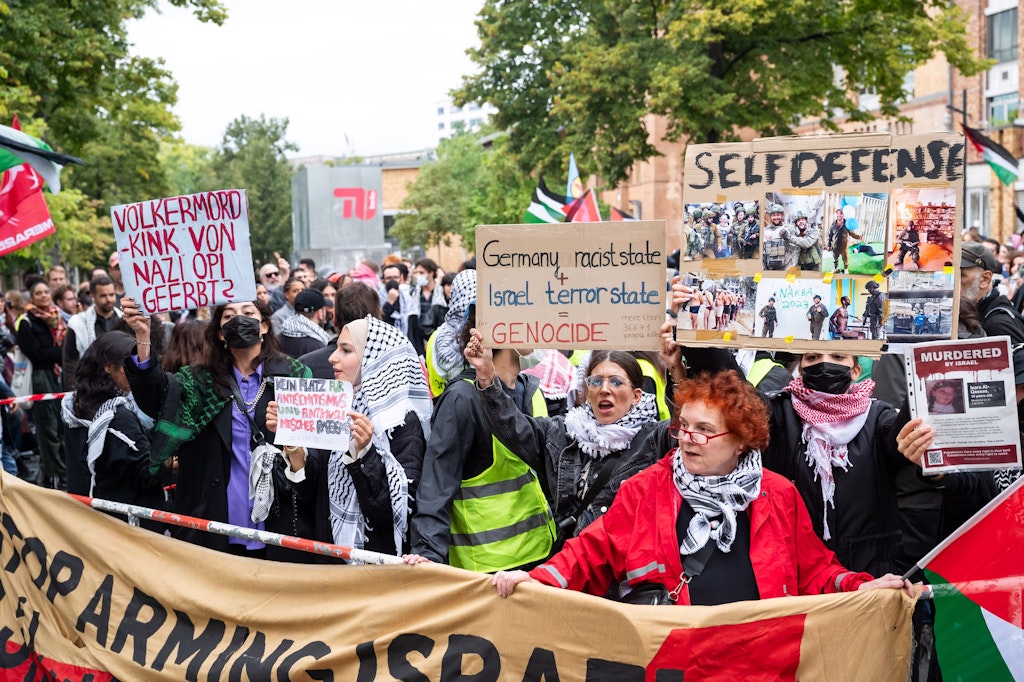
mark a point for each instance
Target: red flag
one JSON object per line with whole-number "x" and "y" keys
{"x": 583, "y": 210}
{"x": 24, "y": 217}
{"x": 618, "y": 214}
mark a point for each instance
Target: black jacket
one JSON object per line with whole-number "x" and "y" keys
{"x": 204, "y": 466}
{"x": 1000, "y": 318}
{"x": 36, "y": 343}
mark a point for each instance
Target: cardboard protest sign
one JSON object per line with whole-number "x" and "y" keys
{"x": 85, "y": 596}
{"x": 313, "y": 413}
{"x": 186, "y": 252}
{"x": 571, "y": 285}
{"x": 856, "y": 207}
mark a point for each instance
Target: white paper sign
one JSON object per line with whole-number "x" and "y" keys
{"x": 186, "y": 252}
{"x": 313, "y": 413}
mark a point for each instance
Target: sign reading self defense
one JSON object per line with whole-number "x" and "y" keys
{"x": 571, "y": 285}
{"x": 313, "y": 413}
{"x": 186, "y": 252}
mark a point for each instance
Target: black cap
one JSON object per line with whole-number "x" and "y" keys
{"x": 310, "y": 301}
{"x": 977, "y": 255}
{"x": 816, "y": 296}
{"x": 871, "y": 285}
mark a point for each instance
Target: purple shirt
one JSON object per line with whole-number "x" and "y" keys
{"x": 239, "y": 504}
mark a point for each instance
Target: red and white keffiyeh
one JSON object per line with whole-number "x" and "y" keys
{"x": 830, "y": 423}
{"x": 556, "y": 375}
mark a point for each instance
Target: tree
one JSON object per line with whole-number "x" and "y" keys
{"x": 69, "y": 75}
{"x": 188, "y": 168}
{"x": 251, "y": 157}
{"x": 574, "y": 75}
{"x": 468, "y": 185}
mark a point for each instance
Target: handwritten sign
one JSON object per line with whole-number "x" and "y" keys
{"x": 572, "y": 286}
{"x": 186, "y": 252}
{"x": 313, "y": 413}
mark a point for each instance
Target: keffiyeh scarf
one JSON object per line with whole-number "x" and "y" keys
{"x": 300, "y": 325}
{"x": 98, "y": 426}
{"x": 599, "y": 440}
{"x": 391, "y": 385}
{"x": 448, "y": 358}
{"x": 556, "y": 375}
{"x": 830, "y": 423}
{"x": 716, "y": 500}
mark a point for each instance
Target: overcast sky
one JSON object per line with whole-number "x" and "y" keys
{"x": 371, "y": 71}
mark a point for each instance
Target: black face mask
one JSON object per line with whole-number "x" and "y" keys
{"x": 827, "y": 377}
{"x": 241, "y": 331}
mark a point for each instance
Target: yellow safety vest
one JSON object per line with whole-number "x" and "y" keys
{"x": 500, "y": 517}
{"x": 651, "y": 372}
{"x": 437, "y": 382}
{"x": 759, "y": 370}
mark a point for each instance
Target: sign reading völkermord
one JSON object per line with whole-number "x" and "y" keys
{"x": 186, "y": 252}
{"x": 842, "y": 242}
{"x": 571, "y": 285}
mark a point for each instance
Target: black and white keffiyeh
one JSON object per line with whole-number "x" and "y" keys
{"x": 98, "y": 426}
{"x": 598, "y": 440}
{"x": 300, "y": 325}
{"x": 392, "y": 384}
{"x": 716, "y": 500}
{"x": 448, "y": 358}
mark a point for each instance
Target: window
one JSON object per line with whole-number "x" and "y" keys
{"x": 440, "y": 126}
{"x": 1002, "y": 110}
{"x": 977, "y": 209}
{"x": 1002, "y": 36}
{"x": 475, "y": 122}
{"x": 440, "y": 111}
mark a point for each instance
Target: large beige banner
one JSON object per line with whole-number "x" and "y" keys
{"x": 86, "y": 597}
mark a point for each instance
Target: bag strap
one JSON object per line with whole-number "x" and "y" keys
{"x": 603, "y": 476}
{"x": 693, "y": 564}
{"x": 254, "y": 431}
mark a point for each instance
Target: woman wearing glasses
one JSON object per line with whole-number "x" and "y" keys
{"x": 584, "y": 456}
{"x": 706, "y": 525}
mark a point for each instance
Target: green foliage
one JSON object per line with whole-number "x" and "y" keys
{"x": 251, "y": 157}
{"x": 69, "y": 75}
{"x": 574, "y": 75}
{"x": 468, "y": 185}
{"x": 188, "y": 168}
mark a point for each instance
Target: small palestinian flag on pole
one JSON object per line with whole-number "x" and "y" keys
{"x": 997, "y": 156}
{"x": 977, "y": 575}
{"x": 545, "y": 206}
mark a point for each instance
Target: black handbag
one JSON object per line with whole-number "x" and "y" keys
{"x": 656, "y": 594}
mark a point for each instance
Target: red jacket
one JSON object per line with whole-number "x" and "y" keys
{"x": 636, "y": 541}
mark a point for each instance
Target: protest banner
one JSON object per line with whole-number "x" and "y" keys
{"x": 313, "y": 413}
{"x": 966, "y": 391}
{"x": 87, "y": 597}
{"x": 856, "y": 207}
{"x": 571, "y": 285}
{"x": 186, "y": 252}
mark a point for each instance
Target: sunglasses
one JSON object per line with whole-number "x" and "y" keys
{"x": 272, "y": 274}
{"x": 596, "y": 382}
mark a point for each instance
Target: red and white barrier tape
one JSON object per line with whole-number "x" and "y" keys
{"x": 36, "y": 397}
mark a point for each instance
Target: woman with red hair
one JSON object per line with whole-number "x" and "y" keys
{"x": 707, "y": 524}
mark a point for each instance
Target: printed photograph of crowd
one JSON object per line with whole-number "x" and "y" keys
{"x": 725, "y": 304}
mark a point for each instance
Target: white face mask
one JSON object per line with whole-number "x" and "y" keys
{"x": 529, "y": 360}
{"x": 421, "y": 280}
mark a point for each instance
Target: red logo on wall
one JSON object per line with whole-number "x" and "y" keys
{"x": 362, "y": 203}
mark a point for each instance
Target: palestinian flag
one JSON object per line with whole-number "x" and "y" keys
{"x": 618, "y": 214}
{"x": 17, "y": 148}
{"x": 997, "y": 156}
{"x": 583, "y": 210}
{"x": 977, "y": 575}
{"x": 545, "y": 206}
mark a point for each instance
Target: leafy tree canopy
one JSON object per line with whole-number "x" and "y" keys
{"x": 474, "y": 181}
{"x": 573, "y": 75}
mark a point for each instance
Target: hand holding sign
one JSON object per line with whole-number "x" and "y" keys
{"x": 361, "y": 430}
{"x": 139, "y": 324}
{"x": 482, "y": 359}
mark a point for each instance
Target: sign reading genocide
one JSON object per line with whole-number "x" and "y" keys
{"x": 186, "y": 252}
{"x": 313, "y": 413}
{"x": 571, "y": 285}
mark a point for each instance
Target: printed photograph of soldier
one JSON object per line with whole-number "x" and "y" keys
{"x": 922, "y": 229}
{"x": 920, "y": 307}
{"x": 945, "y": 396}
{"x": 791, "y": 309}
{"x": 721, "y": 230}
{"x": 792, "y": 233}
{"x": 854, "y": 239}
{"x": 847, "y": 302}
{"x": 719, "y": 304}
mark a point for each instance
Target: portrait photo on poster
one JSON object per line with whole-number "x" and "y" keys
{"x": 920, "y": 307}
{"x": 945, "y": 396}
{"x": 922, "y": 231}
{"x": 729, "y": 229}
{"x": 854, "y": 241}
{"x": 723, "y": 304}
{"x": 792, "y": 233}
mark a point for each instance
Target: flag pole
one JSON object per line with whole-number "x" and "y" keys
{"x": 955, "y": 535}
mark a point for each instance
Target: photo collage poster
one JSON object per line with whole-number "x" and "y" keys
{"x": 849, "y": 238}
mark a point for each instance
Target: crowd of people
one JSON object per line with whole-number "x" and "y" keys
{"x": 677, "y": 477}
